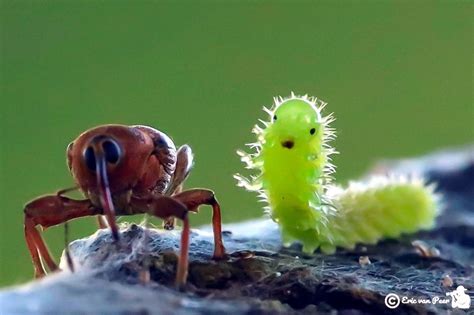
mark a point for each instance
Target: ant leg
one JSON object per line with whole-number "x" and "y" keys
{"x": 32, "y": 233}
{"x": 193, "y": 198}
{"x": 64, "y": 191}
{"x": 169, "y": 223}
{"x": 35, "y": 257}
{"x": 47, "y": 211}
{"x": 182, "y": 272}
{"x": 165, "y": 207}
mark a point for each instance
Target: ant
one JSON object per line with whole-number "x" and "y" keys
{"x": 123, "y": 170}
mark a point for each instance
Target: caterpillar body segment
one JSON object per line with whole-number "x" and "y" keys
{"x": 382, "y": 207}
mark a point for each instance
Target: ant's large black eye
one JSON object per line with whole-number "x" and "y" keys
{"x": 312, "y": 131}
{"x": 89, "y": 158}
{"x": 111, "y": 151}
{"x": 274, "y": 117}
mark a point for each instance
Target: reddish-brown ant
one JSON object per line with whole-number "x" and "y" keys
{"x": 123, "y": 170}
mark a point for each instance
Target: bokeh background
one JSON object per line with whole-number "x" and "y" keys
{"x": 398, "y": 76}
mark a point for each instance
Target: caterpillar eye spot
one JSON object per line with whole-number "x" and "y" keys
{"x": 274, "y": 117}
{"x": 288, "y": 144}
{"x": 312, "y": 131}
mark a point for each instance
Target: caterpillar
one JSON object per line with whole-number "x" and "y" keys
{"x": 292, "y": 157}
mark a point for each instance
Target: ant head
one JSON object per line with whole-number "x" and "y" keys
{"x": 110, "y": 156}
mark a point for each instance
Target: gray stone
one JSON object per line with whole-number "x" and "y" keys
{"x": 260, "y": 277}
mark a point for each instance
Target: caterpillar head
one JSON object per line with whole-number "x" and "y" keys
{"x": 296, "y": 130}
{"x": 296, "y": 123}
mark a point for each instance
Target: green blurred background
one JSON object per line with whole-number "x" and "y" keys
{"x": 397, "y": 75}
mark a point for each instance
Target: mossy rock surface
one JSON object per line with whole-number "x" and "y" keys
{"x": 261, "y": 277}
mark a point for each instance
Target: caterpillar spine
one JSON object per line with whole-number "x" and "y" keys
{"x": 292, "y": 157}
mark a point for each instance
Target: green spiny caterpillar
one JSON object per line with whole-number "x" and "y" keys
{"x": 293, "y": 159}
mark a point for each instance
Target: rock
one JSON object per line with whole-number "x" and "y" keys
{"x": 260, "y": 277}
